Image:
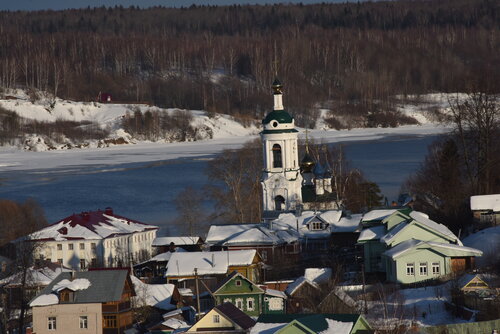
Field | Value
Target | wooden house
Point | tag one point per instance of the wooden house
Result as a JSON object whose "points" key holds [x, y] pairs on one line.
{"points": [[311, 324], [249, 297], [486, 209], [224, 318], [409, 247], [96, 301]]}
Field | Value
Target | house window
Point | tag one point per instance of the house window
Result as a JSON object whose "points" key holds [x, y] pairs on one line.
{"points": [[435, 268], [410, 269], [66, 296], [82, 246], [316, 226], [93, 246], [238, 282], [277, 160], [216, 319], [82, 264], [239, 303], [109, 321], [422, 269], [52, 323], [250, 304], [70, 246], [59, 246], [84, 323], [264, 255], [93, 263], [486, 218]]}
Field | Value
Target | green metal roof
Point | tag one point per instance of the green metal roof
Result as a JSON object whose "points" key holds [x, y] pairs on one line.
{"points": [[279, 131], [278, 115]]}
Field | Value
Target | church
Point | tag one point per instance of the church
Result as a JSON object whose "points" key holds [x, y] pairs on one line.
{"points": [[291, 185]]}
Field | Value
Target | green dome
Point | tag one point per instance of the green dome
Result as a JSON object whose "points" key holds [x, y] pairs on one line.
{"points": [[278, 115]]}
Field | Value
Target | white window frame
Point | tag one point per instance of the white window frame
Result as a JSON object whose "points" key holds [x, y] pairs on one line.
{"points": [[422, 269], [71, 246], [316, 226], [84, 322], [250, 304], [238, 282], [410, 269], [59, 247], [436, 268], [82, 246], [52, 323], [239, 303], [263, 254], [216, 319]]}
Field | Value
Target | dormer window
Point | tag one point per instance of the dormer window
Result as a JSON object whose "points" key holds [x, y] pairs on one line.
{"points": [[316, 226], [66, 296]]}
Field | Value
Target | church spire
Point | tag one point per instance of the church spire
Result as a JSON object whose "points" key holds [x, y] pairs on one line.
{"points": [[278, 94]]}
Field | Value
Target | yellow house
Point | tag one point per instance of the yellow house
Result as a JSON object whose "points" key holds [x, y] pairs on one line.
{"points": [[472, 282], [223, 318]]}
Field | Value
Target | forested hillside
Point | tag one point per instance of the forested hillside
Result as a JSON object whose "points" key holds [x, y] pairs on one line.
{"points": [[350, 58]]}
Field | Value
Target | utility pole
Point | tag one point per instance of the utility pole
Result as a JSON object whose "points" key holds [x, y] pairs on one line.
{"points": [[364, 290], [197, 294]]}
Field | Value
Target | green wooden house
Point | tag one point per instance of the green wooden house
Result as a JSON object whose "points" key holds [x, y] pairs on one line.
{"points": [[249, 297], [313, 323], [409, 248]]}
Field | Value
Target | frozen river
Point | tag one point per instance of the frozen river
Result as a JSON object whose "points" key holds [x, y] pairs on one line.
{"points": [[141, 182]]}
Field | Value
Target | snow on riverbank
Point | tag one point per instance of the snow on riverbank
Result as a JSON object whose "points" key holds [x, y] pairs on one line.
{"points": [[14, 159], [227, 133]]}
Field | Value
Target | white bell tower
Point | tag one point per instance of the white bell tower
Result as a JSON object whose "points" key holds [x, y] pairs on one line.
{"points": [[281, 178]]}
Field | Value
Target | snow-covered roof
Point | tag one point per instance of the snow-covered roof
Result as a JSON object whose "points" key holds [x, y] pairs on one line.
{"points": [[337, 327], [389, 236], [37, 276], [155, 295], [73, 285], [292, 287], [90, 225], [220, 233], [318, 275], [175, 323], [165, 257], [267, 328], [178, 241], [331, 216], [44, 300], [347, 224], [485, 202], [183, 264], [276, 293], [407, 245], [424, 219], [244, 234], [377, 214], [372, 233]]}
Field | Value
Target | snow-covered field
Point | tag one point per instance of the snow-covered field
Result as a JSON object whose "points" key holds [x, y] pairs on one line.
{"points": [[418, 306]]}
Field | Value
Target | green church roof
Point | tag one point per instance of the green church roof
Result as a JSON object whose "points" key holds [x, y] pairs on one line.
{"points": [[278, 115]]}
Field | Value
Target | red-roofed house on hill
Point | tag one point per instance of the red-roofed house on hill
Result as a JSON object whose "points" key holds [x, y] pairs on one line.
{"points": [[95, 239]]}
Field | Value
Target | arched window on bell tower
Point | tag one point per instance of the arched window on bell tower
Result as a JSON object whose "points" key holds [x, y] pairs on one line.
{"points": [[279, 203], [277, 157]]}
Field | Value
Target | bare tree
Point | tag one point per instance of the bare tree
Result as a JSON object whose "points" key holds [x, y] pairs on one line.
{"points": [[477, 126], [189, 205]]}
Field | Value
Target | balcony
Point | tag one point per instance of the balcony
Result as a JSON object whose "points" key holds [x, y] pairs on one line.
{"points": [[116, 308]]}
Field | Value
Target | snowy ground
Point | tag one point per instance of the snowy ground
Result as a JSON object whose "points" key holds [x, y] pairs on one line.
{"points": [[421, 306]]}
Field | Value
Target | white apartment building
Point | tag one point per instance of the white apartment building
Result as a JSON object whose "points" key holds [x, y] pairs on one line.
{"points": [[95, 239]]}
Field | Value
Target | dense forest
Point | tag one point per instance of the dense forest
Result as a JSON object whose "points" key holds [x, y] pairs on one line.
{"points": [[348, 57]]}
